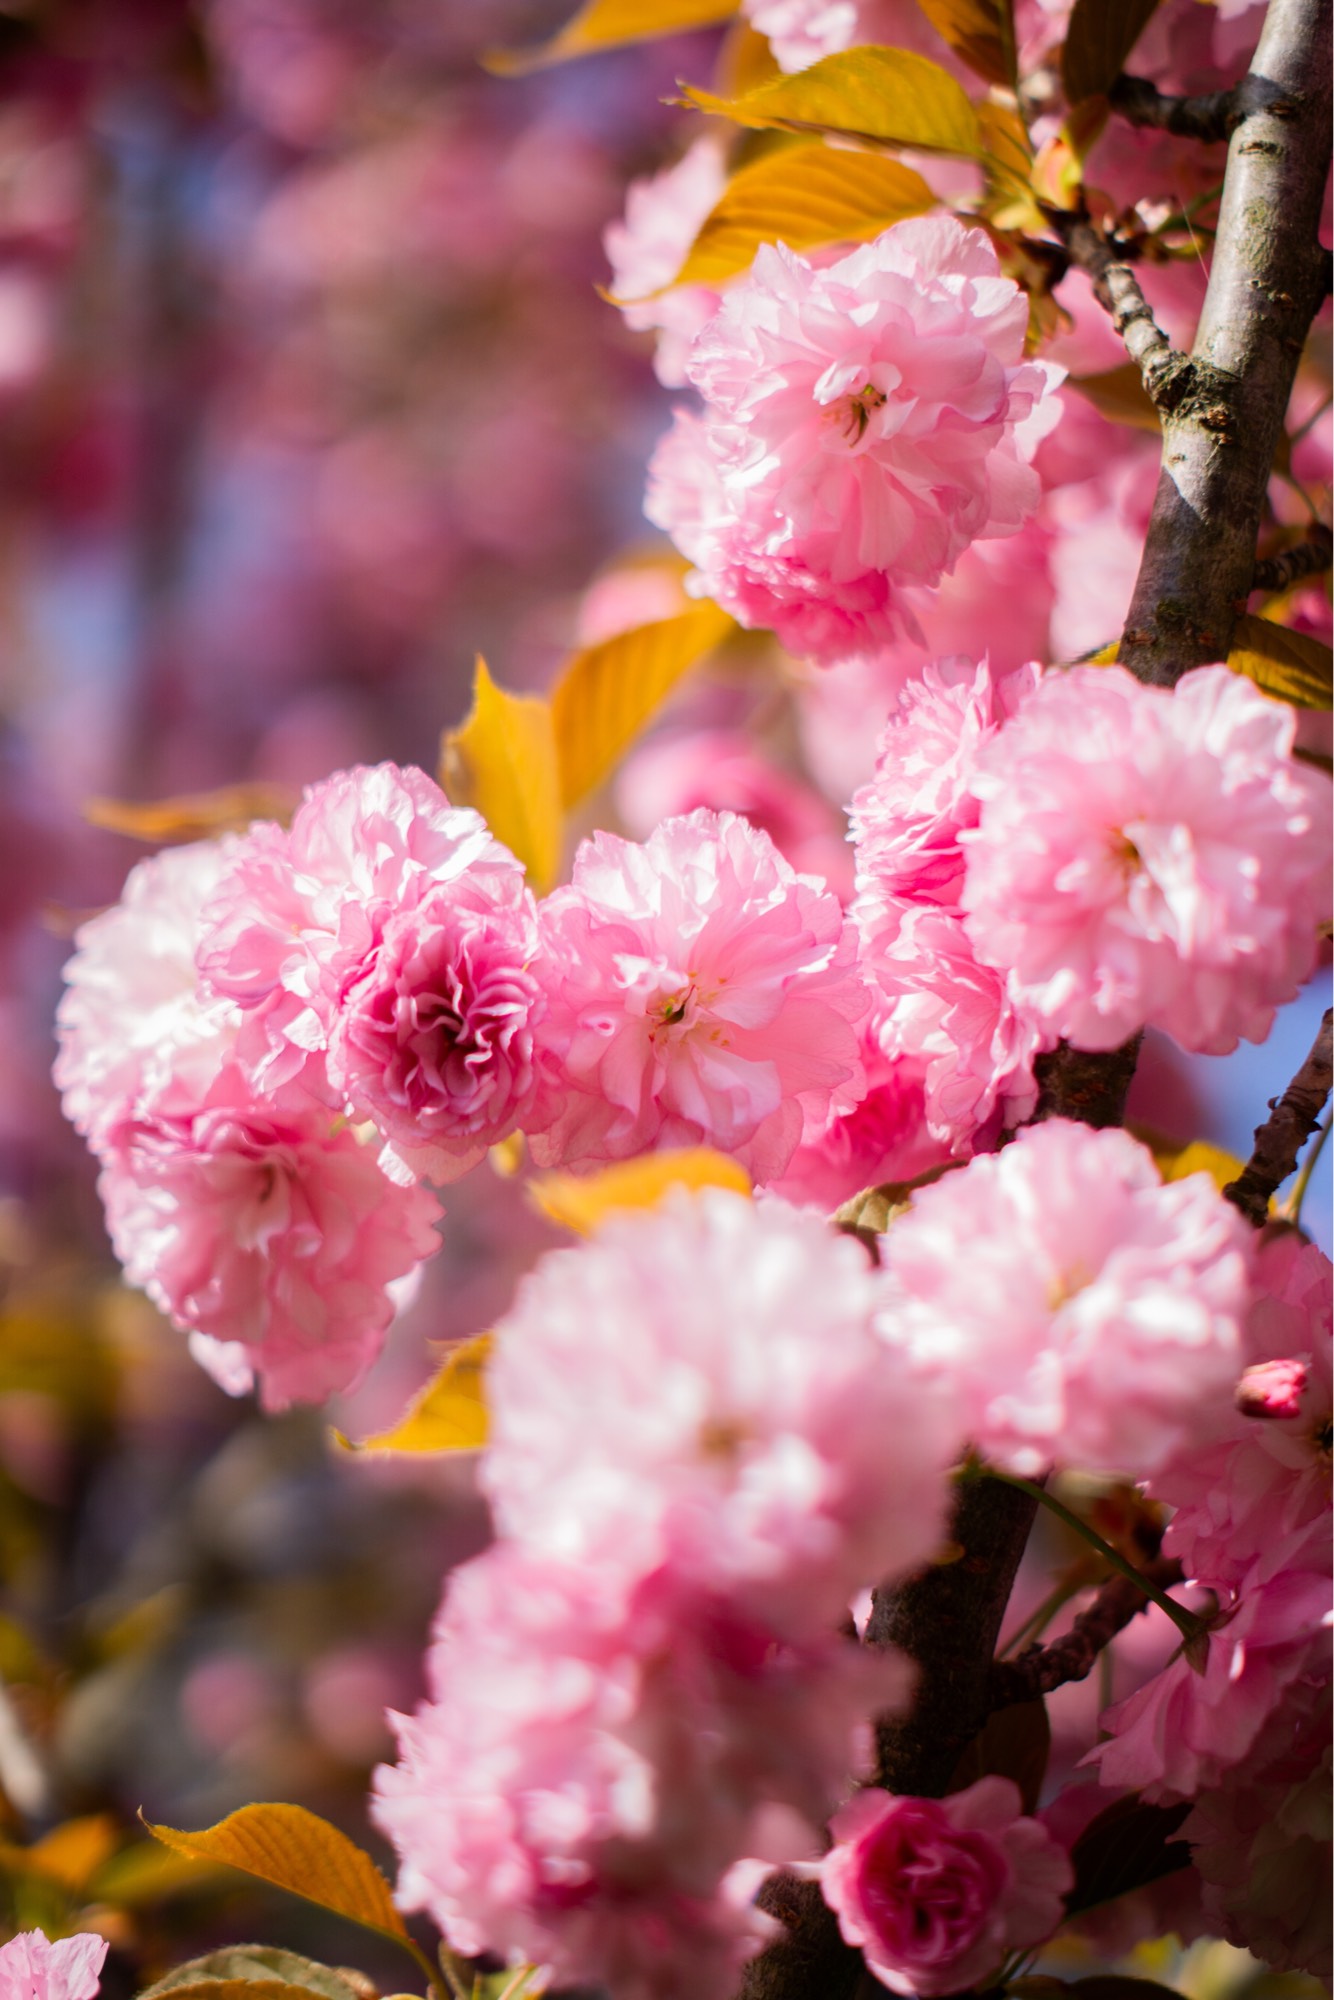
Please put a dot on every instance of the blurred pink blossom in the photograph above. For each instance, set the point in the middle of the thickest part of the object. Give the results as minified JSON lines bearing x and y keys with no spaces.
{"x":1097,"y":1311}
{"x":699,"y":1387}
{"x":647,"y":249}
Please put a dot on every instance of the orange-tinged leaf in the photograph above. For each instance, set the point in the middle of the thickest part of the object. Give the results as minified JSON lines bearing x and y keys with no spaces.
{"x":981,"y":33}
{"x":1290,"y":665}
{"x":607,"y":692}
{"x":1100,"y":36}
{"x":581,"y":1201}
{"x":886,"y":96}
{"x":1058,"y":170}
{"x":1119,"y":395}
{"x":298,"y":1851}
{"x":502,"y":761}
{"x":70,"y":1854}
{"x":194,"y":815}
{"x":744,"y":60}
{"x":449,"y":1414}
{"x":605,"y":24}
{"x":802,"y":196}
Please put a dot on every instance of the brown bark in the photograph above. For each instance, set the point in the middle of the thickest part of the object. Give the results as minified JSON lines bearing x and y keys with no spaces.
{"x":1266,"y":283}
{"x":1040,"y":1669}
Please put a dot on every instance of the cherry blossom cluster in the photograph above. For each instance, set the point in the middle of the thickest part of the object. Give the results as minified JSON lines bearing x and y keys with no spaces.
{"x":1077,"y":856}
{"x":273,"y":1042}
{"x":701,"y":1451}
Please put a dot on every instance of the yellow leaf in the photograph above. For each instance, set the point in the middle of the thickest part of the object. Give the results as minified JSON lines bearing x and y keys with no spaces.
{"x":802,"y":196}
{"x":295,"y":1850}
{"x":581,"y":1201}
{"x":194,"y":815}
{"x":608,"y":692}
{"x":70,"y":1854}
{"x":1100,"y":36}
{"x":1118,"y":394}
{"x":1199,"y":1157}
{"x":1105,"y":656}
{"x":257,"y":1972}
{"x":503,"y":762}
{"x":604,"y":24}
{"x":1058,"y":171}
{"x":744,"y":60}
{"x":981,"y":32}
{"x":886,"y":96}
{"x":1287,"y":664}
{"x":450,"y":1412}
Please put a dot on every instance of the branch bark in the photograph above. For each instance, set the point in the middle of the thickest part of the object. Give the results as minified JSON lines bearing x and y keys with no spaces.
{"x":1265,"y":286}
{"x":1040,"y":1669}
{"x":1289,"y":566}
{"x":1291,"y":1121}
{"x":1207,"y":118}
{"x":1119,"y":292}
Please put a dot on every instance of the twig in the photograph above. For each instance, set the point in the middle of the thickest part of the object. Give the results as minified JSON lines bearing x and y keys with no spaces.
{"x":1040,"y":1669}
{"x":1308,"y":558}
{"x":1118,"y":291}
{"x":1208,"y":118}
{"x":1291,"y":1121}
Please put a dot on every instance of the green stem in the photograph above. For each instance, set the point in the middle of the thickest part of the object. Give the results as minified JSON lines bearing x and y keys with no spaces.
{"x":1189,"y":1626}
{"x":1036,"y":1623}
{"x":453,"y":1989}
{"x":1292,"y":1207}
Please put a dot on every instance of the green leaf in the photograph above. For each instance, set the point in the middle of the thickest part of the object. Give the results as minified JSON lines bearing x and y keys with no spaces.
{"x":802,"y":196}
{"x":1290,"y":665}
{"x":449,"y":1414}
{"x":252,"y":1972}
{"x":1100,"y":36}
{"x":298,"y":1851}
{"x":1119,"y":395}
{"x":981,"y":33}
{"x":885,"y":96}
{"x":1015,"y":1744}
{"x":502,"y":761}
{"x":1125,"y":1847}
{"x":608,"y":692}
{"x":606,"y":24}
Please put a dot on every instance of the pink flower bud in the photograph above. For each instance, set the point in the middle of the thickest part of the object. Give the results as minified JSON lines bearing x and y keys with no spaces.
{"x":1272,"y":1389}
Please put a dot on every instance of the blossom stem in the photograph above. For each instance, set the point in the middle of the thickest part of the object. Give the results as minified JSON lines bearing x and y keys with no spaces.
{"x":1291,"y":1121}
{"x":1189,"y":1626}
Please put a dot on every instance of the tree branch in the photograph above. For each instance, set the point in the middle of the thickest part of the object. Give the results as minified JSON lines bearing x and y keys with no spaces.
{"x":1040,"y":1669}
{"x":1090,"y":1087}
{"x":1116,"y":288}
{"x":1219,"y":439}
{"x":1291,"y":1121}
{"x":1207,"y":118}
{"x":1289,"y":566}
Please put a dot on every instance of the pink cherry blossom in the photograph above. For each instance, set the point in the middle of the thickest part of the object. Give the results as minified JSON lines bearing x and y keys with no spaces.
{"x":937,"y":1892}
{"x":697,"y":991}
{"x":1095,"y":1311}
{"x":663,"y":216}
{"x":35,"y":1967}
{"x":1250,"y":1480}
{"x":597,"y":1754}
{"x":700,"y":1387}
{"x":906,"y":823}
{"x":131,"y":1022}
{"x":433,"y":1037}
{"x":864,"y":423}
{"x":300,"y":913}
{"x":1146,"y":857}
{"x":1183,"y":1730}
{"x":952,"y":1015}
{"x":883,"y":1138}
{"x":268,"y":1233}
